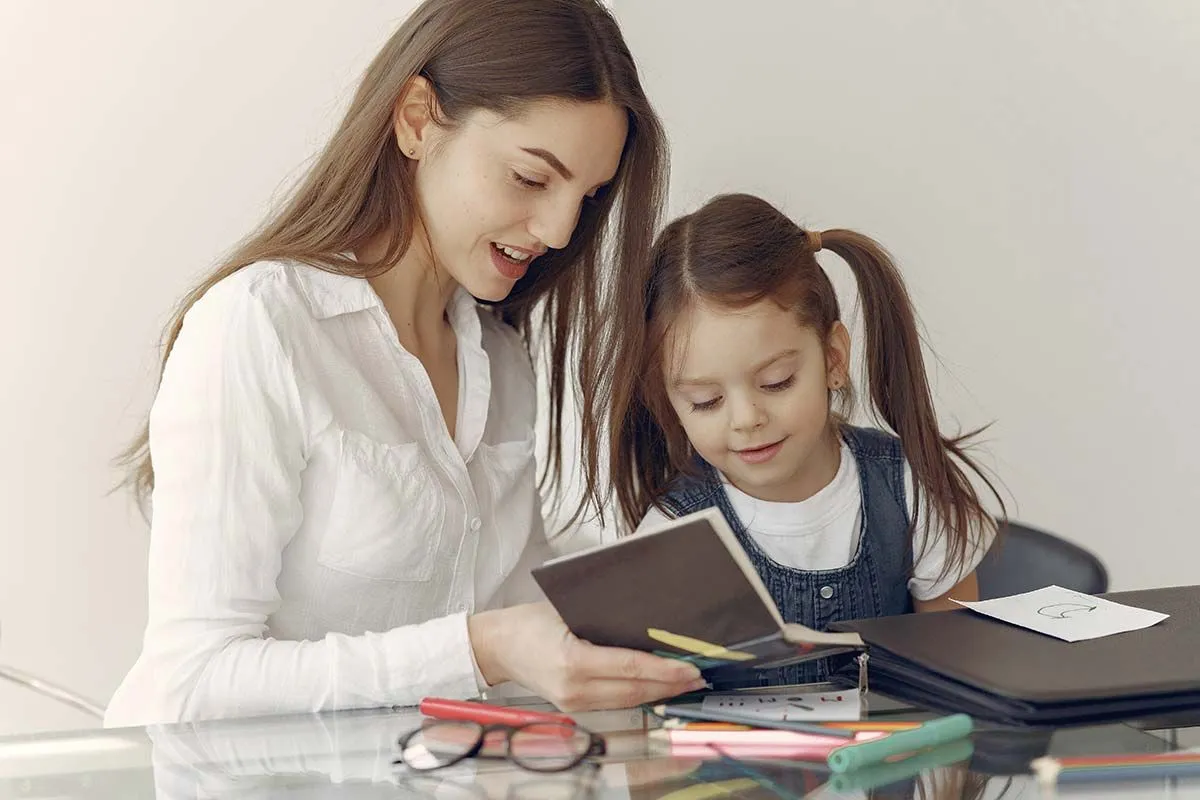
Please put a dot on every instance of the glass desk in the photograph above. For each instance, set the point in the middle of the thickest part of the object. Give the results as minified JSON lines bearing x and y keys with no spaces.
{"x":351,"y":754}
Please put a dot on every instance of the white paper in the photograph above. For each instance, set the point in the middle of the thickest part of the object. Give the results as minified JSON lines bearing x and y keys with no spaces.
{"x":1066,"y":614}
{"x":836,"y":706}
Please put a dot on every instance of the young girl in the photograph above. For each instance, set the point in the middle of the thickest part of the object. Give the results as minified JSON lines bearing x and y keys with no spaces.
{"x":344,"y":501}
{"x":739,"y":363}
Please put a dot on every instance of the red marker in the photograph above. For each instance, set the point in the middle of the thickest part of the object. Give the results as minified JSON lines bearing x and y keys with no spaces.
{"x":484,"y":714}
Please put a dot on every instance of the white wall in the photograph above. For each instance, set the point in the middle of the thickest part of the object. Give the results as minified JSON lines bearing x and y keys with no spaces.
{"x":1035,"y":167}
{"x":140,"y":140}
{"x":1027,"y":156}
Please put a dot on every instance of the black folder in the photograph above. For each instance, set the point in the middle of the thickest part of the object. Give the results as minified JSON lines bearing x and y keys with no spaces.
{"x":963,"y":661}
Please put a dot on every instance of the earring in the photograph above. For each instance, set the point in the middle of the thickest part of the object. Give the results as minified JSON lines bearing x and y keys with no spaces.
{"x":412,"y":151}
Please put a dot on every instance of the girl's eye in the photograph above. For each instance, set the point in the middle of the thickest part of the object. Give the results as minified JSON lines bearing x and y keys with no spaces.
{"x":528,"y":183}
{"x":707,"y":405}
{"x":781,"y":385}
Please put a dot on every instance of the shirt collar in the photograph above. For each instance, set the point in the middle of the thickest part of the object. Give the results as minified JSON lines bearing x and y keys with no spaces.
{"x":329,"y":294}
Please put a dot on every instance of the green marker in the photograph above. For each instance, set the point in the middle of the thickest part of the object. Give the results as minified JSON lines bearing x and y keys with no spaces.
{"x":882,"y":774}
{"x":873,"y":751}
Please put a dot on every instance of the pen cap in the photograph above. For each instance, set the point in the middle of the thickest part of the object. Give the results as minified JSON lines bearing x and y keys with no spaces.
{"x":930,"y":734}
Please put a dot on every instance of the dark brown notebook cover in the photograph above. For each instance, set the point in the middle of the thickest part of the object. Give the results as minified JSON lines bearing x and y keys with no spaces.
{"x":688,"y":579}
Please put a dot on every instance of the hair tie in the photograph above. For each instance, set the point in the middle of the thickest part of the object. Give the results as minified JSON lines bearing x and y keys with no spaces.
{"x":814,"y":240}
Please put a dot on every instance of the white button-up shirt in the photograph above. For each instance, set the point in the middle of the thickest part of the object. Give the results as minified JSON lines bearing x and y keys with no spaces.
{"x":318,"y":539}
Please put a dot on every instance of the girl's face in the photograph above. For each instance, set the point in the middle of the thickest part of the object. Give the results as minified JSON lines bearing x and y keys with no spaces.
{"x":496,"y":193}
{"x":751,"y":388}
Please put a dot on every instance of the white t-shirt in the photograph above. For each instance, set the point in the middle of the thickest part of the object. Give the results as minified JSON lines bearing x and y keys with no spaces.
{"x":822,"y":532}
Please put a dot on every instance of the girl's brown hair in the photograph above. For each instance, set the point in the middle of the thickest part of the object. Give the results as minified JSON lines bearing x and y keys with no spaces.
{"x":736,"y":251}
{"x":497,"y":55}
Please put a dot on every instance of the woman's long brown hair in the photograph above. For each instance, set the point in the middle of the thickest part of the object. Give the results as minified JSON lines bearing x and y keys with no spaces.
{"x":735,"y":251}
{"x":498,"y":55}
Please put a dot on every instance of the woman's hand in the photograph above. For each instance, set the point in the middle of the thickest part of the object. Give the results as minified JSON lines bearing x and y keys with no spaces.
{"x":529,"y":644}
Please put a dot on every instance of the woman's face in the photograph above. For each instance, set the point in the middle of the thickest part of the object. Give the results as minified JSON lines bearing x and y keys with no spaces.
{"x":495,"y":192}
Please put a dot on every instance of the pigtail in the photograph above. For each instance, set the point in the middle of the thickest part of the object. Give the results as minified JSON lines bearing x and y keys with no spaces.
{"x":900,"y":394}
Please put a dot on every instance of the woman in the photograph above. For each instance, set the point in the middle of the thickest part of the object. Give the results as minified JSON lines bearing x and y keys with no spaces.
{"x":343,"y":491}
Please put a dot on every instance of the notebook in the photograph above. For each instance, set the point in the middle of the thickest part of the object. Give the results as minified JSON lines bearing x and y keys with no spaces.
{"x":963,"y":661}
{"x":686,"y":590}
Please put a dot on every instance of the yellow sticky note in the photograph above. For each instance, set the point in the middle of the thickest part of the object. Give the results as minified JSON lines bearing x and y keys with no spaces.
{"x":696,"y":646}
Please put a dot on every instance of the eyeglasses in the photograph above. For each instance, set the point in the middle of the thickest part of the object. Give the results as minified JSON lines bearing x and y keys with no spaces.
{"x":538,"y":747}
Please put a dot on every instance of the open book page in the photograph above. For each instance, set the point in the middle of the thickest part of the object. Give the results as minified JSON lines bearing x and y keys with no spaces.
{"x":799,"y":634}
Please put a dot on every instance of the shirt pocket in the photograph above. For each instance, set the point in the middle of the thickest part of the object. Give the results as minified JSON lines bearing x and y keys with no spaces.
{"x":505,"y":465}
{"x":387,"y":512}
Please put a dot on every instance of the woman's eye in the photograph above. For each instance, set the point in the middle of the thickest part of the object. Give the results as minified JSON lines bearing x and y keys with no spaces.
{"x":780,"y":385}
{"x":706,"y":405}
{"x":528,"y":183}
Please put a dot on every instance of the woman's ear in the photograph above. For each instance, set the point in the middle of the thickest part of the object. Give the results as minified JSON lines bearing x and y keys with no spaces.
{"x":413,"y":118}
{"x":837,"y":357}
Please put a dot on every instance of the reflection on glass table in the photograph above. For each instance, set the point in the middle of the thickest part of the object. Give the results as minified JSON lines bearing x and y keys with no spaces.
{"x":352,"y":754}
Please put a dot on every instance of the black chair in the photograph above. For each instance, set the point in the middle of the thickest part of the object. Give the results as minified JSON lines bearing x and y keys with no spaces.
{"x":1025,"y":558}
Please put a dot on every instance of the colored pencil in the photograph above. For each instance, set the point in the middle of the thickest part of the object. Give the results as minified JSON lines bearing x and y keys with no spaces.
{"x":868,"y":725}
{"x":1117,"y":767}
{"x":755,"y":737}
{"x":844,"y":726}
{"x":754,"y":722}
{"x":753,"y":743}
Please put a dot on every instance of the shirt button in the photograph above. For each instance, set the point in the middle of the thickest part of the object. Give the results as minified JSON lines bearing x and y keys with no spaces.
{"x":476,"y":524}
{"x":826,"y":592}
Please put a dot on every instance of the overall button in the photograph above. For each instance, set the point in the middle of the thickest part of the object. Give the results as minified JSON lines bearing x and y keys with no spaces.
{"x":826,"y":592}
{"x":476,"y":524}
